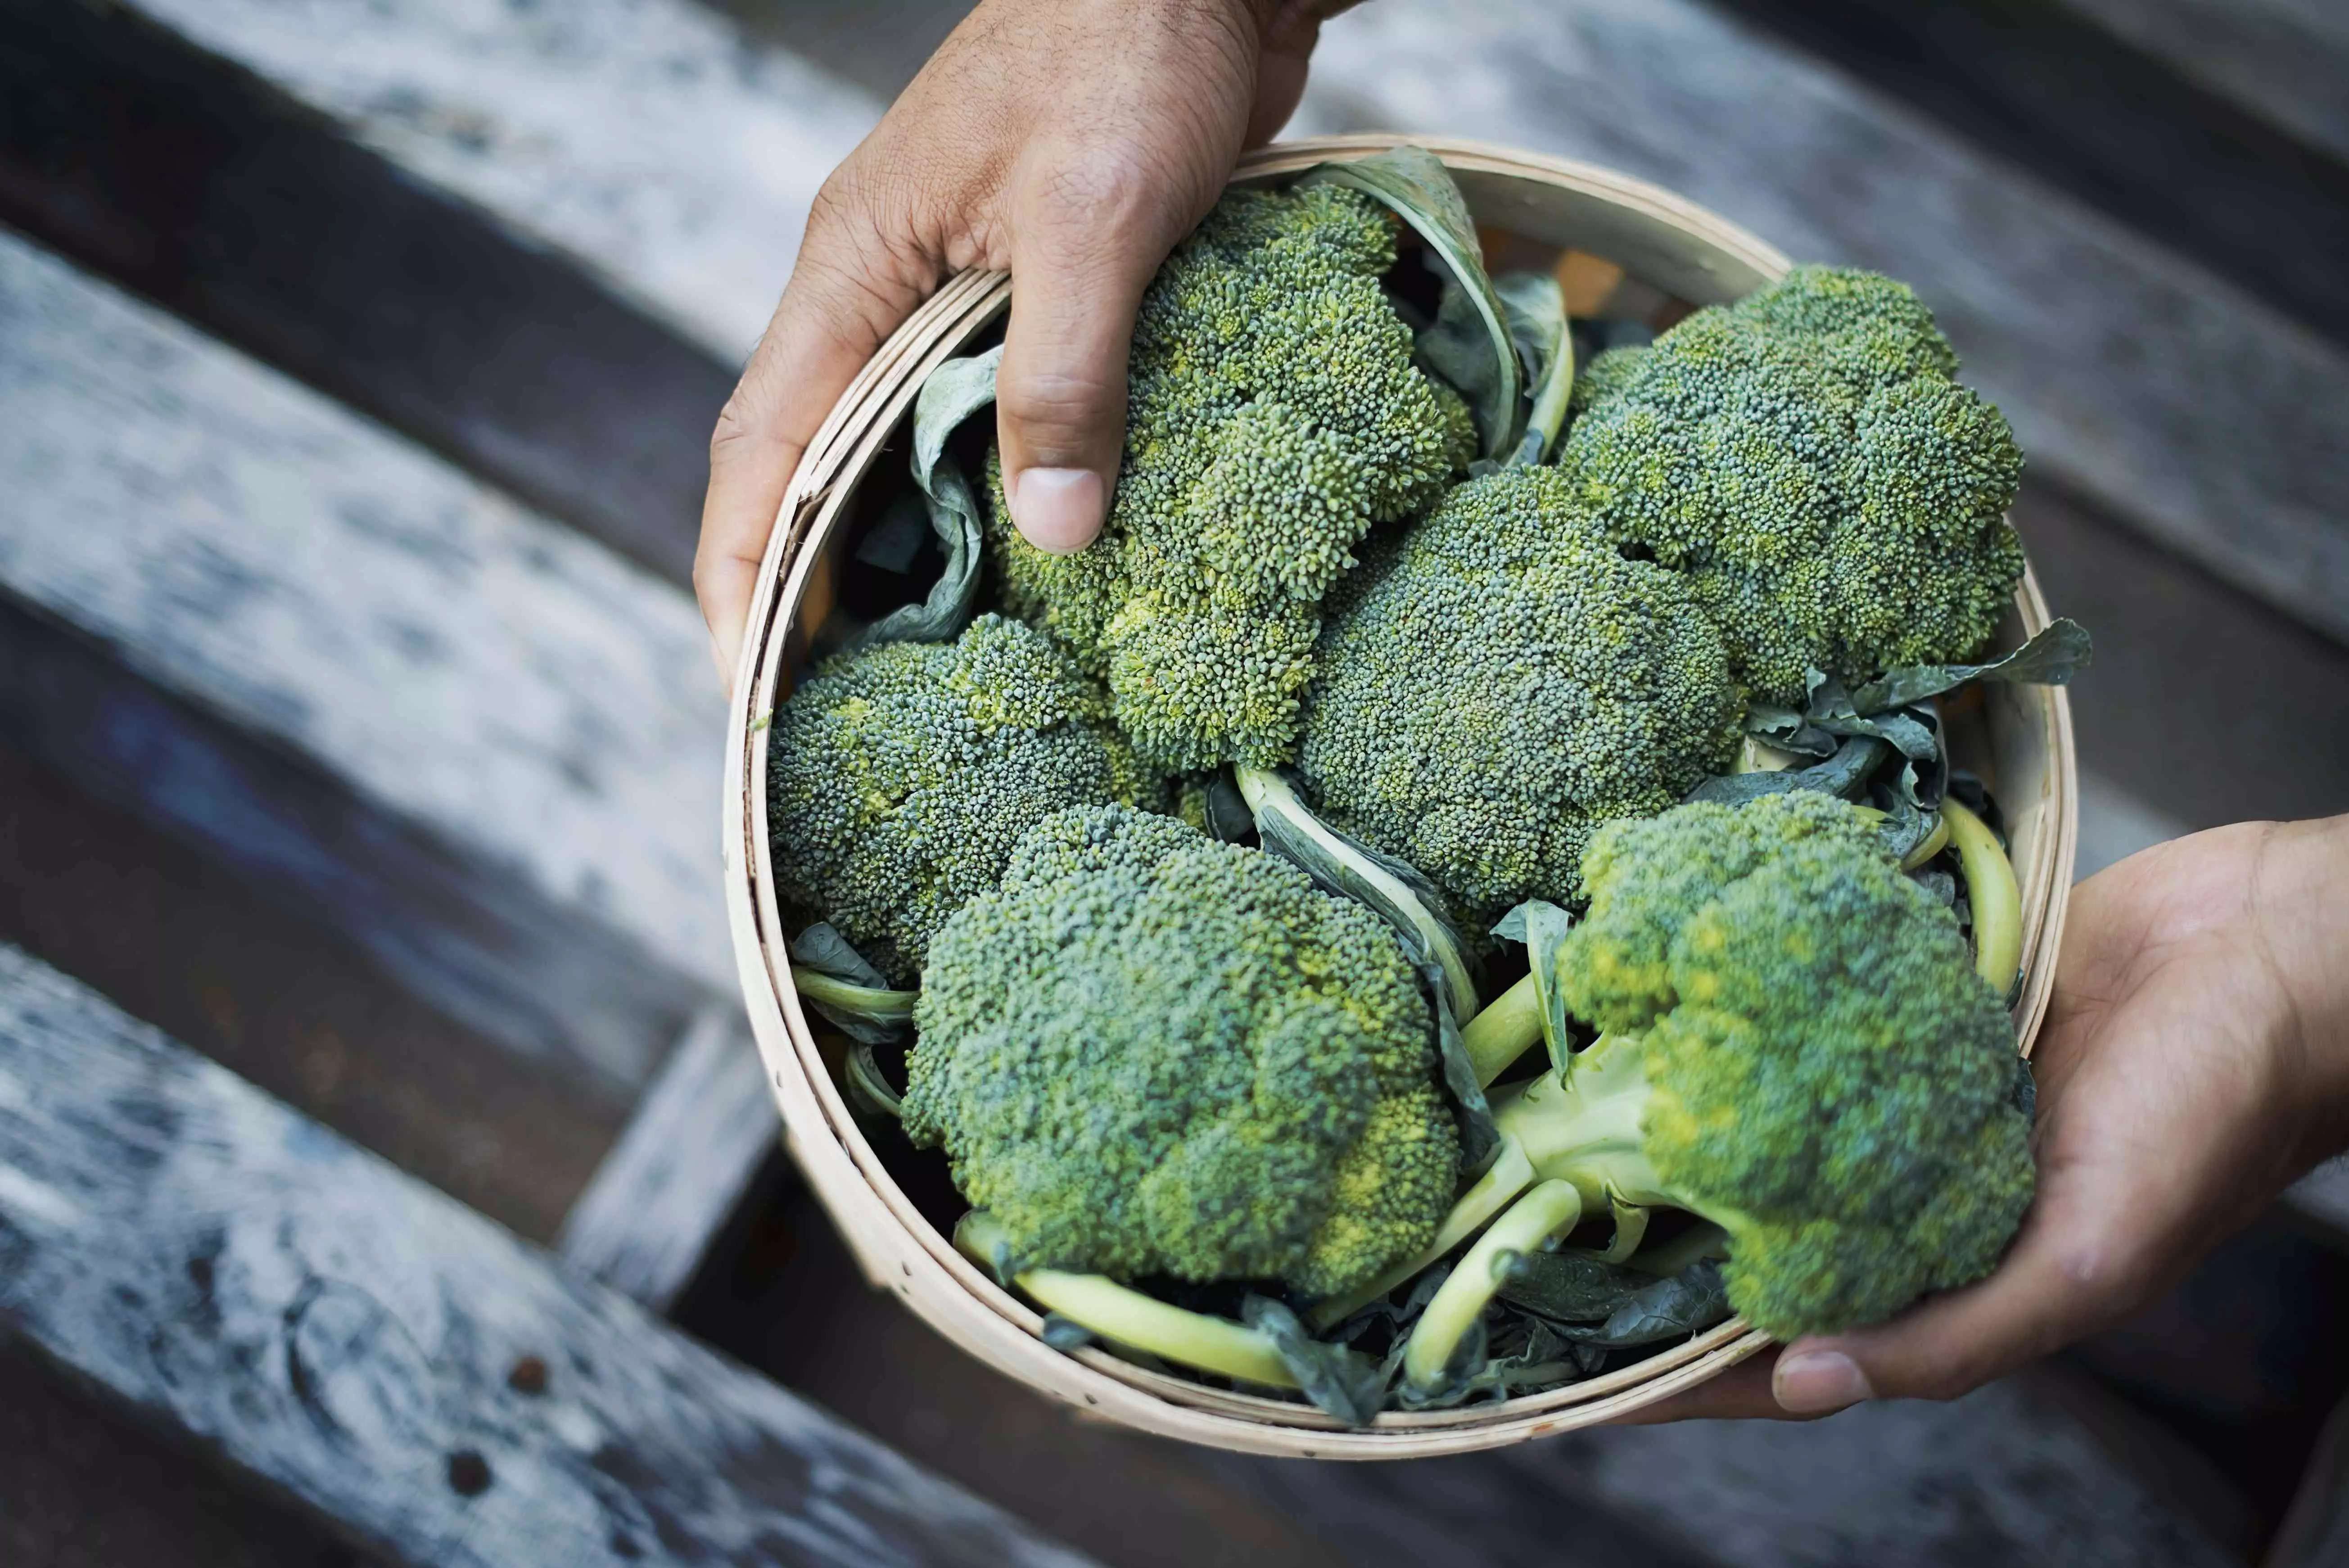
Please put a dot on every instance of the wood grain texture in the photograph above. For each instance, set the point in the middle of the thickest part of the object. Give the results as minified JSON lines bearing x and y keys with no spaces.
{"x":700,"y":1133}
{"x":233,"y":1272}
{"x":2118,"y":130}
{"x":1997,"y":1476}
{"x":2202,"y":416}
{"x":184,"y":178}
{"x":471,"y":941}
{"x":511,"y":691}
{"x":647,"y":136}
{"x":2283,"y":59}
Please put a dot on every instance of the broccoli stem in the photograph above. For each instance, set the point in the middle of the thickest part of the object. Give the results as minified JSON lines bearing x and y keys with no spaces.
{"x":1933,"y":844}
{"x":1582,"y":1125}
{"x":1997,"y":901}
{"x":1506,"y":1029}
{"x":1503,"y":1179}
{"x":1127,"y":1317}
{"x":1665,"y":1259}
{"x":869,"y":1001}
{"x":1546,"y":1212}
{"x":1287,"y":825}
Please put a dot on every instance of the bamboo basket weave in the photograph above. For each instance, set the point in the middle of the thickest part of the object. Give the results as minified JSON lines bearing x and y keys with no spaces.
{"x":2019,"y":739}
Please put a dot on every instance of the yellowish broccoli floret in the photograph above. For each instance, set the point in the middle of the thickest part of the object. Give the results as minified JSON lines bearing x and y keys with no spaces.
{"x":1273,"y":414}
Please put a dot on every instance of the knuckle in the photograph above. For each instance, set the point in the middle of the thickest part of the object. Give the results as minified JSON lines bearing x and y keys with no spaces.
{"x":1095,"y":190}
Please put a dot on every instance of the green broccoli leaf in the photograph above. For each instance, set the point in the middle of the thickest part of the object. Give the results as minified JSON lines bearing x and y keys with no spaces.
{"x":1470,"y":1108}
{"x":1536,"y":312}
{"x":1412,"y":184}
{"x":953,"y":393}
{"x":1341,"y":1382}
{"x":2056,"y":653}
{"x":1064,"y":1334}
{"x":834,"y":979}
{"x":1845,"y":774}
{"x":1689,"y":1302}
{"x":1571,"y":1287}
{"x":1541,"y":926}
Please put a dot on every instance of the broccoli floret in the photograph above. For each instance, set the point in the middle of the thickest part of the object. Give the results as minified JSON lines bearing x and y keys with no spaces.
{"x":1498,"y":681}
{"x":1837,"y":498}
{"x":1796,"y":1046}
{"x":1274,"y":415}
{"x":1148,"y":1053}
{"x":900,"y":776}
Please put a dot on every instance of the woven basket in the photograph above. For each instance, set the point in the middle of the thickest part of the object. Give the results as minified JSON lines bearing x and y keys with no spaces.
{"x":2019,"y":739}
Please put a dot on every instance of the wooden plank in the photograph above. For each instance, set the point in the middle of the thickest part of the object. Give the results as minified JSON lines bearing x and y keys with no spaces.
{"x":82,"y":1487}
{"x":385,"y":1357}
{"x":2190,"y":409}
{"x":285,"y":1001}
{"x":648,"y":137}
{"x":186,"y":180}
{"x":701,"y":1132}
{"x":1997,"y":1476}
{"x":509,"y":691}
{"x":481,"y":946}
{"x":2118,"y":130}
{"x":2284,"y":60}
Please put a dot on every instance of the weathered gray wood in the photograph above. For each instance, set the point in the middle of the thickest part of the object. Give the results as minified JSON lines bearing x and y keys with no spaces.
{"x":475,"y":942}
{"x":2200,"y":416}
{"x":2283,"y":59}
{"x":1996,"y":1477}
{"x":190,"y":181}
{"x":488,"y":680}
{"x":386,"y":1357}
{"x":699,"y":1134}
{"x":647,"y":136}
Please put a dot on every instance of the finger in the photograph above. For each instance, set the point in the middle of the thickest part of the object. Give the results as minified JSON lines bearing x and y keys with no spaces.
{"x":848,"y":291}
{"x":2065,"y":1277}
{"x":1741,"y":1394}
{"x":1087,"y":232}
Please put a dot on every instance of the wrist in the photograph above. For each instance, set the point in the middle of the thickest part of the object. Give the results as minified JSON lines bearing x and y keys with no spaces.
{"x":2301,"y":903}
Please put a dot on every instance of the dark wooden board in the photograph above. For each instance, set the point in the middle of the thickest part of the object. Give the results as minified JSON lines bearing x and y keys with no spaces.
{"x":174,"y":937}
{"x":473,"y":942}
{"x":194,"y":183}
{"x":2112,"y":126}
{"x":649,"y":141}
{"x":452,"y":670}
{"x":701,"y":1135}
{"x":392,"y":1361}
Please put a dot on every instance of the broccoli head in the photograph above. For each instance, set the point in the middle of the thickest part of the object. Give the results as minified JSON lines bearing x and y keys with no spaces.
{"x":1795,"y":1045}
{"x":1273,"y":414}
{"x":1805,"y":455}
{"x":1147,"y":1053}
{"x":1498,"y":681}
{"x":899,"y":778}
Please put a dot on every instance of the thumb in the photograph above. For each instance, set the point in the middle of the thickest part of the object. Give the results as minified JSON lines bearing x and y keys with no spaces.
{"x":1084,"y":242}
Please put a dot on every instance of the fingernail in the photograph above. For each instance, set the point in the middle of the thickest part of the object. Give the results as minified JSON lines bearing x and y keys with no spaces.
{"x":1058,"y":510}
{"x":1819,"y":1380}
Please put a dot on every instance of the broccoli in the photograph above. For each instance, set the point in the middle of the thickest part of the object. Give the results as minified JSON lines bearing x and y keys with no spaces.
{"x":1273,"y":414}
{"x":1837,"y":498}
{"x":899,"y":778}
{"x":1147,"y":1053}
{"x":1795,"y":1045}
{"x":1497,"y":681}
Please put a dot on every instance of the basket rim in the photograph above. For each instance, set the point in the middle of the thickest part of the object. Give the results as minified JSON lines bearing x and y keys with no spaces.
{"x":898,"y":1248}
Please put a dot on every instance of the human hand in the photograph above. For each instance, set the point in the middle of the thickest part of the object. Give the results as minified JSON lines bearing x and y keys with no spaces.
{"x":2194,"y":1062}
{"x":1071,"y":142}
